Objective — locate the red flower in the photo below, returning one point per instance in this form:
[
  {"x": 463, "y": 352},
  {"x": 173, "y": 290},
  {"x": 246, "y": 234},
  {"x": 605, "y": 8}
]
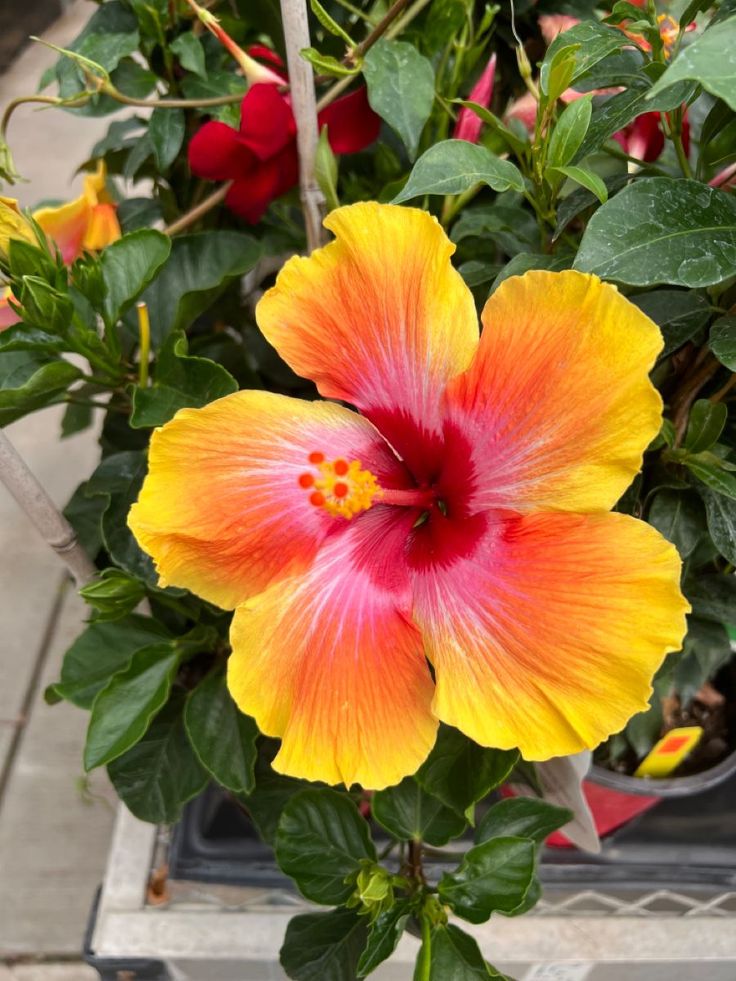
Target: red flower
[
  {"x": 468, "y": 125},
  {"x": 261, "y": 159},
  {"x": 643, "y": 138}
]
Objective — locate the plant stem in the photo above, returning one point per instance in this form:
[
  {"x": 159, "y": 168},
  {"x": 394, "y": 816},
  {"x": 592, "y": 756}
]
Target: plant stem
[
  {"x": 144, "y": 334},
  {"x": 192, "y": 216},
  {"x": 425, "y": 971},
  {"x": 686, "y": 395},
  {"x": 724, "y": 390},
  {"x": 42, "y": 511},
  {"x": 416, "y": 8},
  {"x": 380, "y": 29},
  {"x": 301, "y": 82}
]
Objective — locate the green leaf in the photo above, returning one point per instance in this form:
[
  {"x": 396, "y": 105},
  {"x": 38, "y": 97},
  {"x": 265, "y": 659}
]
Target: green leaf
[
  {"x": 524, "y": 261},
  {"x": 385, "y": 933},
  {"x": 679, "y": 517},
  {"x": 325, "y": 170},
  {"x": 197, "y": 271},
  {"x": 456, "y": 956},
  {"x": 124, "y": 708},
  {"x": 492, "y": 877},
  {"x": 515, "y": 143},
  {"x": 166, "y": 129},
  {"x": 611, "y": 116},
  {"x": 596, "y": 42},
  {"x": 321, "y": 840},
  {"x": 326, "y": 64},
  {"x": 84, "y": 514},
  {"x": 324, "y": 946},
  {"x": 454, "y": 166},
  {"x": 223, "y": 738},
  {"x": 101, "y": 651},
  {"x": 135, "y": 213},
  {"x": 705, "y": 425},
  {"x": 722, "y": 341},
  {"x": 708, "y": 60},
  {"x": 29, "y": 381},
  {"x": 157, "y": 776},
  {"x": 129, "y": 265},
  {"x": 708, "y": 468},
  {"x": 179, "y": 381},
  {"x": 460, "y": 772},
  {"x": 329, "y": 23},
  {"x": 569, "y": 132},
  {"x": 679, "y": 314},
  {"x": 586, "y": 178},
  {"x": 216, "y": 84},
  {"x": 557, "y": 73},
  {"x": 272, "y": 793},
  {"x": 662, "y": 230},
  {"x": 720, "y": 513},
  {"x": 713, "y": 597},
  {"x": 521, "y": 817},
  {"x": 188, "y": 49},
  {"x": 400, "y": 89},
  {"x": 706, "y": 649},
  {"x": 408, "y": 812}
]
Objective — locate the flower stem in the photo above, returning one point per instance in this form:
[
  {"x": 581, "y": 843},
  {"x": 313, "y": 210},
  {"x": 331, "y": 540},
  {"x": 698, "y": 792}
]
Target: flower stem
[
  {"x": 192, "y": 216},
  {"x": 144, "y": 333}
]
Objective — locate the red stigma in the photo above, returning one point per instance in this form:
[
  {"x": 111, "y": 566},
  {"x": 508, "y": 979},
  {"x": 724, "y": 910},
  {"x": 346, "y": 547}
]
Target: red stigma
[
  {"x": 340, "y": 467},
  {"x": 306, "y": 480},
  {"x": 317, "y": 498},
  {"x": 316, "y": 457},
  {"x": 340, "y": 489}
]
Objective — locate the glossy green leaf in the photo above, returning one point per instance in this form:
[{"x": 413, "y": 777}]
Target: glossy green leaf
[
  {"x": 557, "y": 73},
  {"x": 569, "y": 132},
  {"x": 679, "y": 517},
  {"x": 586, "y": 178},
  {"x": 708, "y": 60},
  {"x": 454, "y": 166},
  {"x": 180, "y": 380},
  {"x": 400, "y": 89},
  {"x": 223, "y": 738},
  {"x": 197, "y": 271},
  {"x": 124, "y": 708},
  {"x": 708, "y": 468},
  {"x": 713, "y": 597},
  {"x": 456, "y": 956},
  {"x": 271, "y": 794},
  {"x": 188, "y": 49},
  {"x": 521, "y": 817},
  {"x": 384, "y": 935},
  {"x": 460, "y": 772},
  {"x": 101, "y": 651},
  {"x": 722, "y": 341},
  {"x": 166, "y": 129},
  {"x": 492, "y": 877},
  {"x": 662, "y": 230},
  {"x": 707, "y": 647},
  {"x": 29, "y": 381},
  {"x": 325, "y": 170},
  {"x": 321, "y": 839},
  {"x": 324, "y": 946},
  {"x": 705, "y": 425},
  {"x": 408, "y": 812},
  {"x": 596, "y": 41},
  {"x": 129, "y": 265},
  {"x": 720, "y": 513},
  {"x": 157, "y": 776},
  {"x": 679, "y": 314}
]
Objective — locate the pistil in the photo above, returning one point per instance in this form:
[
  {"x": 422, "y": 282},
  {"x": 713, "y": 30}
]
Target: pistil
[{"x": 414, "y": 497}]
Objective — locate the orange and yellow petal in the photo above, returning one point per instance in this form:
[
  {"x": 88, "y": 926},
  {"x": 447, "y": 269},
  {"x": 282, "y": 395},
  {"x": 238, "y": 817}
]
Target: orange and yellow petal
[
  {"x": 103, "y": 228},
  {"x": 558, "y": 404},
  {"x": 8, "y": 316},
  {"x": 13, "y": 225},
  {"x": 224, "y": 508},
  {"x": 378, "y": 318},
  {"x": 66, "y": 226},
  {"x": 331, "y": 663},
  {"x": 546, "y": 637}
]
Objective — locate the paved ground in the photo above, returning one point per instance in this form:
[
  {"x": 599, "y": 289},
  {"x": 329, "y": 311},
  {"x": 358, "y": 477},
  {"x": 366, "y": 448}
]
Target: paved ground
[{"x": 54, "y": 829}]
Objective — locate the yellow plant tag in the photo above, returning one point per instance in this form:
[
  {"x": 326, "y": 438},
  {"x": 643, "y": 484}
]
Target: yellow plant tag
[{"x": 669, "y": 752}]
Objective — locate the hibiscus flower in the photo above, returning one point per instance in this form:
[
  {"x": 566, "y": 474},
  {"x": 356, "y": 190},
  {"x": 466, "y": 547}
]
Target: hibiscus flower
[{"x": 460, "y": 520}]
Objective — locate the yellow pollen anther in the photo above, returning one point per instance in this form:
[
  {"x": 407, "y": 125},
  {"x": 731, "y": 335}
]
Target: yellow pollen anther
[{"x": 342, "y": 488}]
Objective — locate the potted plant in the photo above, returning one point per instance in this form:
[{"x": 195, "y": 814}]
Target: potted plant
[{"x": 447, "y": 554}]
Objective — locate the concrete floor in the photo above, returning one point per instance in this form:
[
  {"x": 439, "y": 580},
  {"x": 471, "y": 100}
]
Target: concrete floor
[{"x": 54, "y": 826}]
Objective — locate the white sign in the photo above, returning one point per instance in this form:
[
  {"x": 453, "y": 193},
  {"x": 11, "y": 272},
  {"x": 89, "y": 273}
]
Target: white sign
[{"x": 571, "y": 971}]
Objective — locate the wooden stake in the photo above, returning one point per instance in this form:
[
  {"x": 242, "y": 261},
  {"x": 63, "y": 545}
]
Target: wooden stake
[
  {"x": 303, "y": 103},
  {"x": 42, "y": 511}
]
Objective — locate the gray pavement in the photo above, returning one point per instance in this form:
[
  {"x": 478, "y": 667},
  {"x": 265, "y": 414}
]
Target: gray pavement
[{"x": 54, "y": 825}]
